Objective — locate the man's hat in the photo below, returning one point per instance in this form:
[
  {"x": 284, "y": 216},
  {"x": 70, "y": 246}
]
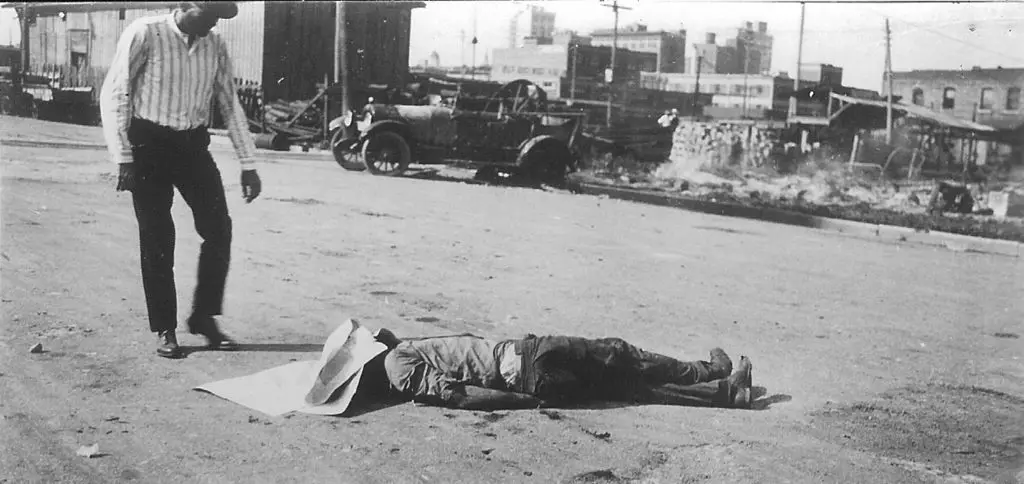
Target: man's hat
[{"x": 223, "y": 10}]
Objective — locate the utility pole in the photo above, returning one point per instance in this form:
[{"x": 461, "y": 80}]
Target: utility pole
[
  {"x": 746, "y": 67},
  {"x": 462, "y": 49},
  {"x": 615, "y": 43},
  {"x": 472, "y": 73},
  {"x": 572, "y": 80},
  {"x": 696, "y": 85},
  {"x": 799, "y": 61},
  {"x": 341, "y": 55},
  {"x": 25, "y": 15},
  {"x": 888, "y": 79}
]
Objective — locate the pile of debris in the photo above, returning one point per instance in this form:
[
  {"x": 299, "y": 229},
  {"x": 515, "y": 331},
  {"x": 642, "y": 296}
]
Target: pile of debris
[{"x": 299, "y": 120}]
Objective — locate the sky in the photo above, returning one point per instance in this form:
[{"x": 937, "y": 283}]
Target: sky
[
  {"x": 925, "y": 35},
  {"x": 929, "y": 35}
]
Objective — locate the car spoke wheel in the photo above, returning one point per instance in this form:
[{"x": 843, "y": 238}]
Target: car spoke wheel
[
  {"x": 346, "y": 151},
  {"x": 386, "y": 153}
]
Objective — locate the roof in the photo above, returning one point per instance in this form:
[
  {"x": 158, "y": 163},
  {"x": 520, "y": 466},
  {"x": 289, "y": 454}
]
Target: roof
[
  {"x": 54, "y": 7},
  {"x": 999, "y": 74},
  {"x": 626, "y": 33},
  {"x": 919, "y": 112}
]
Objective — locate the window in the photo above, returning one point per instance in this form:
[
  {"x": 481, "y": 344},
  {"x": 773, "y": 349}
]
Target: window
[
  {"x": 918, "y": 96},
  {"x": 949, "y": 98},
  {"x": 120, "y": 14},
  {"x": 1013, "y": 99},
  {"x": 987, "y": 98}
]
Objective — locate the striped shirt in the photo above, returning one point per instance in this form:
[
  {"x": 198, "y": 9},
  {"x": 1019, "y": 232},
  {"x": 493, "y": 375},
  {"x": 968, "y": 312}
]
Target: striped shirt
[{"x": 156, "y": 76}]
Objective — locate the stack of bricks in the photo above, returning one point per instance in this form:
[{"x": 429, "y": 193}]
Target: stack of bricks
[{"x": 697, "y": 145}]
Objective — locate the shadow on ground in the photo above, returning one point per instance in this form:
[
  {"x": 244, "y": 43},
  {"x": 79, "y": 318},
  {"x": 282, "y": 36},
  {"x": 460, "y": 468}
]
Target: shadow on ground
[{"x": 268, "y": 347}]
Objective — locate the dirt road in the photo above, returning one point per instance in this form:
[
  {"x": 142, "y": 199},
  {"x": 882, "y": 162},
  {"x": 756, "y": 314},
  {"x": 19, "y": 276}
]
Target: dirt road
[{"x": 878, "y": 363}]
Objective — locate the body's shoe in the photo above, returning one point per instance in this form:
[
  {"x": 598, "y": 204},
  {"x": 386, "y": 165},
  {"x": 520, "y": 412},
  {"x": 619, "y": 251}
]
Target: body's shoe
[
  {"x": 740, "y": 383},
  {"x": 385, "y": 336},
  {"x": 215, "y": 338},
  {"x": 720, "y": 365},
  {"x": 168, "y": 345}
]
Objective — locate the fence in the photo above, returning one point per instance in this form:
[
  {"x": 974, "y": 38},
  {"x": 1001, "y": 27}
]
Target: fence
[
  {"x": 250, "y": 96},
  {"x": 65, "y": 76}
]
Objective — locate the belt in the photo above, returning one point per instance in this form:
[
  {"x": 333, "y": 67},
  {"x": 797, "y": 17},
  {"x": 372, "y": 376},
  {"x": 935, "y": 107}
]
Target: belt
[{"x": 143, "y": 131}]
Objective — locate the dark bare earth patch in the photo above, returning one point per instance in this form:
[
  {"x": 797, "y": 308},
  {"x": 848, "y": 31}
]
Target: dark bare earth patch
[
  {"x": 1007, "y": 335},
  {"x": 959, "y": 429},
  {"x": 381, "y": 215}
]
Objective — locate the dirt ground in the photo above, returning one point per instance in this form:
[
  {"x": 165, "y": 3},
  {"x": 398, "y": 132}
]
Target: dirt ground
[{"x": 874, "y": 362}]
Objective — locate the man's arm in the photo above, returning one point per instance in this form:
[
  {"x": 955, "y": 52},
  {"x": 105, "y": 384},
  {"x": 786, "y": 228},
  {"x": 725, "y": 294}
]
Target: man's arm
[
  {"x": 477, "y": 398},
  {"x": 231, "y": 109},
  {"x": 118, "y": 88}
]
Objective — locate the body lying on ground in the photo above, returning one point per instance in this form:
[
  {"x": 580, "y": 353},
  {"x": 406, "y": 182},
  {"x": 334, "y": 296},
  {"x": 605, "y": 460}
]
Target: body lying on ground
[{"x": 473, "y": 373}]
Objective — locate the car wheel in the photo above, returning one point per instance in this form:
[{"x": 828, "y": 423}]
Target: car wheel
[
  {"x": 547, "y": 162},
  {"x": 386, "y": 153},
  {"x": 345, "y": 152}
]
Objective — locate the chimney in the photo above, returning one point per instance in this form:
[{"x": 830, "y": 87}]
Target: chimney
[
  {"x": 709, "y": 38},
  {"x": 762, "y": 27}
]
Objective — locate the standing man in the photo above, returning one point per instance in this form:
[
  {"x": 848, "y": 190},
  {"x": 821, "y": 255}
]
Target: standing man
[{"x": 155, "y": 106}]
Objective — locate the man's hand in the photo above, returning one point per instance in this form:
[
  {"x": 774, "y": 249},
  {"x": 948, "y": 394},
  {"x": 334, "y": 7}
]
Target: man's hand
[
  {"x": 251, "y": 185},
  {"x": 126, "y": 177}
]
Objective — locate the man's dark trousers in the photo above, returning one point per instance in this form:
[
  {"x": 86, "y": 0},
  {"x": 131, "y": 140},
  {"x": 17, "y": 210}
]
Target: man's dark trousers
[{"x": 166, "y": 159}]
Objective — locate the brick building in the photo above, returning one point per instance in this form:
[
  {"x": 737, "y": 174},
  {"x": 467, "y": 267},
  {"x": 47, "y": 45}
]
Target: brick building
[
  {"x": 552, "y": 64},
  {"x": 988, "y": 96},
  {"x": 732, "y": 95},
  {"x": 749, "y": 52},
  {"x": 669, "y": 47}
]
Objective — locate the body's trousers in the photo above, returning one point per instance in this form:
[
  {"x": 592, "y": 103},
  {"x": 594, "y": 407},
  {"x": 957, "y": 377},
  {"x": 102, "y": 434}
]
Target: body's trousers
[{"x": 165, "y": 160}]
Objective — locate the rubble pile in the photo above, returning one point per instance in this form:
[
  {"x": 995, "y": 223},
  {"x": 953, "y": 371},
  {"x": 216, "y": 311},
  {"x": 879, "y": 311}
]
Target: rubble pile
[{"x": 700, "y": 145}]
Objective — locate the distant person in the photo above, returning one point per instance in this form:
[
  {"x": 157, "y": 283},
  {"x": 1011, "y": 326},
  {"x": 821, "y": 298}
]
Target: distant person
[
  {"x": 666, "y": 119},
  {"x": 473, "y": 373},
  {"x": 155, "y": 106},
  {"x": 674, "y": 120}
]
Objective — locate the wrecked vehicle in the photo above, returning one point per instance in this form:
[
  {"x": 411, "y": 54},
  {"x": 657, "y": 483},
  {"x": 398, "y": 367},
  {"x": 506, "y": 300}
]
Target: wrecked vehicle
[{"x": 514, "y": 129}]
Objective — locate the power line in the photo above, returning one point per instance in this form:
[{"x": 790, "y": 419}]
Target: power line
[{"x": 947, "y": 36}]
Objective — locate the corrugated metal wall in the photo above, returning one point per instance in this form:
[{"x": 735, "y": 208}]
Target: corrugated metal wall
[
  {"x": 49, "y": 38},
  {"x": 298, "y": 48},
  {"x": 378, "y": 42},
  {"x": 244, "y": 36}
]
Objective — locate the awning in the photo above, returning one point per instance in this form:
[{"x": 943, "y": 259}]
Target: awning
[{"x": 913, "y": 111}]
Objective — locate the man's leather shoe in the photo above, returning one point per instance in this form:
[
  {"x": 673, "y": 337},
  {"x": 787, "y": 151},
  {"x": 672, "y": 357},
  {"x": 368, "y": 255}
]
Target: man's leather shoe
[
  {"x": 385, "y": 336},
  {"x": 720, "y": 365},
  {"x": 215, "y": 338},
  {"x": 168, "y": 345},
  {"x": 740, "y": 383}
]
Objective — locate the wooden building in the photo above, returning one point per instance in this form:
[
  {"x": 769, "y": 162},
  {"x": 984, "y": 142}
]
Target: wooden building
[{"x": 287, "y": 47}]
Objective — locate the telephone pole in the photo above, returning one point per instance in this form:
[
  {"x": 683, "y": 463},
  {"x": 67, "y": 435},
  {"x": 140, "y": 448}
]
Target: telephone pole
[
  {"x": 888, "y": 80},
  {"x": 472, "y": 74},
  {"x": 696, "y": 85},
  {"x": 610, "y": 76},
  {"x": 572, "y": 81},
  {"x": 799, "y": 61}
]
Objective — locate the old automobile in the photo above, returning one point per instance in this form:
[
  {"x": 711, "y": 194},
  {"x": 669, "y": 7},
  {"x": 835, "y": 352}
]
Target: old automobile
[{"x": 514, "y": 128}]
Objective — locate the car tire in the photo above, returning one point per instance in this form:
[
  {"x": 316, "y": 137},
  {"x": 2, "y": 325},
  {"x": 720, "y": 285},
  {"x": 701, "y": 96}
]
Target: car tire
[
  {"x": 547, "y": 162},
  {"x": 386, "y": 153},
  {"x": 344, "y": 155}
]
